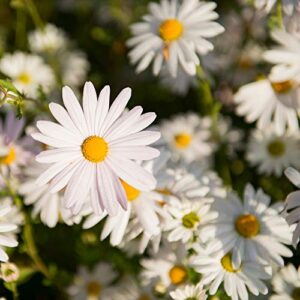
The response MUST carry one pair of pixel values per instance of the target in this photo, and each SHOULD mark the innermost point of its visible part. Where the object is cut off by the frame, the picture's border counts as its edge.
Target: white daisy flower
(189, 220)
(49, 206)
(174, 34)
(187, 292)
(167, 267)
(286, 284)
(95, 148)
(187, 136)
(48, 40)
(187, 182)
(14, 214)
(275, 100)
(252, 230)
(7, 230)
(74, 67)
(92, 285)
(286, 55)
(136, 239)
(15, 151)
(28, 72)
(273, 152)
(292, 204)
(216, 270)
(145, 207)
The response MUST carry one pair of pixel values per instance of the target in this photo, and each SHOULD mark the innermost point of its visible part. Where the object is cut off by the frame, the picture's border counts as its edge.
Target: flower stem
(34, 14)
(279, 14)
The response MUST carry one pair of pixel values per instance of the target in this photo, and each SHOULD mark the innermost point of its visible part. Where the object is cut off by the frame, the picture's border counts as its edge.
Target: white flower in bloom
(267, 5)
(95, 148)
(180, 84)
(75, 67)
(275, 100)
(14, 214)
(50, 39)
(292, 204)
(186, 182)
(92, 285)
(252, 230)
(216, 270)
(27, 72)
(167, 266)
(50, 206)
(286, 284)
(189, 292)
(136, 239)
(187, 136)
(144, 206)
(174, 34)
(287, 54)
(273, 152)
(189, 220)
(14, 152)
(7, 230)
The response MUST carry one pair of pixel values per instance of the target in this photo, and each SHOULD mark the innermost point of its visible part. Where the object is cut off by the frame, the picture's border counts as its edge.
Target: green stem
(14, 291)
(279, 14)
(34, 14)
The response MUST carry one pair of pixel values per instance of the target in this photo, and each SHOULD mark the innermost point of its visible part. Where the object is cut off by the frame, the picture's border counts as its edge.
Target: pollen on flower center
(9, 158)
(131, 192)
(283, 86)
(93, 288)
(177, 274)
(94, 149)
(170, 30)
(183, 140)
(247, 225)
(227, 263)
(24, 78)
(276, 148)
(190, 220)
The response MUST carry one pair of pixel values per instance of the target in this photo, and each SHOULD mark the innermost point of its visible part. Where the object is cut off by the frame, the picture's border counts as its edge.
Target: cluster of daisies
(150, 186)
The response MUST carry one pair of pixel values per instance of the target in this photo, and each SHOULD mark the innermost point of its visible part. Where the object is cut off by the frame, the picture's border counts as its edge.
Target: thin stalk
(34, 14)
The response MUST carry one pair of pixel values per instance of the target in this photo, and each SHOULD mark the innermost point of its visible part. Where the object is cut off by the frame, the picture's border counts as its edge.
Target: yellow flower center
(247, 226)
(9, 158)
(25, 78)
(94, 149)
(131, 192)
(227, 263)
(170, 30)
(94, 288)
(183, 140)
(178, 275)
(190, 220)
(283, 86)
(296, 294)
(276, 148)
